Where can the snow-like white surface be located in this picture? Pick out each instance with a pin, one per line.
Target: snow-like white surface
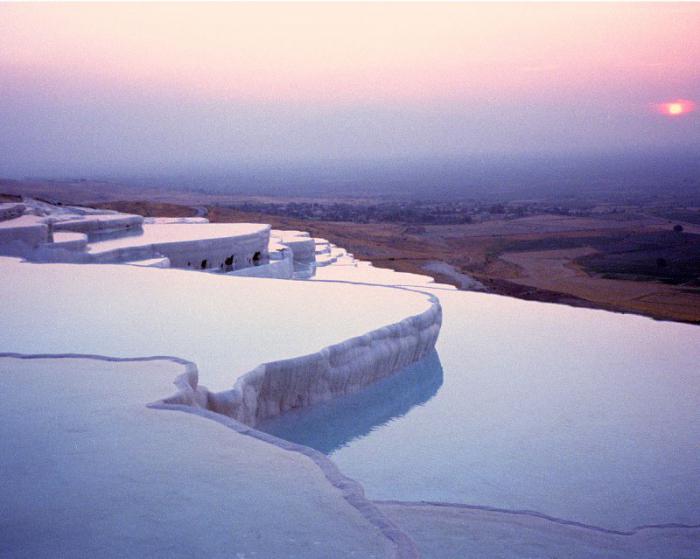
(327, 253)
(26, 231)
(346, 365)
(167, 233)
(42, 232)
(89, 471)
(280, 265)
(94, 223)
(159, 262)
(68, 240)
(49, 233)
(196, 246)
(300, 242)
(104, 467)
(227, 325)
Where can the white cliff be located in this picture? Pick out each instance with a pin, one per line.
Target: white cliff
(339, 369)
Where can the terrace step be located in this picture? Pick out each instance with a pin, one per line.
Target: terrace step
(68, 240)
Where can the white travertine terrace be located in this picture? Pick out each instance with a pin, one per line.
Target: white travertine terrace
(350, 359)
(339, 369)
(96, 223)
(280, 264)
(41, 232)
(89, 470)
(300, 242)
(367, 344)
(348, 335)
(44, 233)
(89, 285)
(188, 246)
(68, 240)
(25, 232)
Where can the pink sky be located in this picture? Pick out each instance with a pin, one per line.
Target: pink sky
(617, 59)
(355, 52)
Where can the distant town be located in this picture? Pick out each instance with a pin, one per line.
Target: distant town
(419, 212)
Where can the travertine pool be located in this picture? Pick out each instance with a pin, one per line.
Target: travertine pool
(583, 415)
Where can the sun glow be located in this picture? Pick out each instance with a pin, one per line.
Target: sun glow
(676, 108)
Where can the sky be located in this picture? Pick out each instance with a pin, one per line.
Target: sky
(113, 88)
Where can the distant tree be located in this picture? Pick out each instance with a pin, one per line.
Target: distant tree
(678, 228)
(661, 263)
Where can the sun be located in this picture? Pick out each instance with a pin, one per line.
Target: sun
(676, 108)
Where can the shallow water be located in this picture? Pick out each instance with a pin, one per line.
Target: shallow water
(583, 415)
(331, 426)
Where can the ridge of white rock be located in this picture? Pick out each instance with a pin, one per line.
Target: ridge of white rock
(300, 242)
(348, 335)
(343, 368)
(280, 264)
(199, 246)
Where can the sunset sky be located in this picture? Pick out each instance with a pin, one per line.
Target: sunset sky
(132, 87)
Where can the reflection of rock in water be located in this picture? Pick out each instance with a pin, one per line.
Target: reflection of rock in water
(331, 425)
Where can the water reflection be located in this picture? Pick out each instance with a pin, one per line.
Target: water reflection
(332, 425)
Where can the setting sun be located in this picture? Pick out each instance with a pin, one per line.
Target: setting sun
(676, 108)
